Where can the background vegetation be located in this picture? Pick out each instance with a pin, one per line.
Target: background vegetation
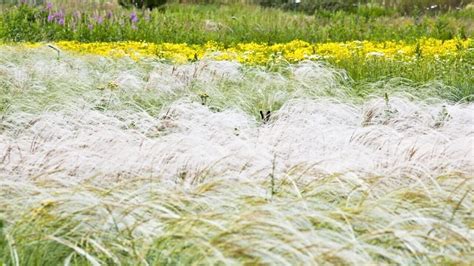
(224, 23)
(403, 7)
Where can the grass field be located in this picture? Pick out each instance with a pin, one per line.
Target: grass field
(228, 24)
(237, 151)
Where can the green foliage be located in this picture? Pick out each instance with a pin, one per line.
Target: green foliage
(226, 24)
(3, 242)
(142, 3)
(403, 7)
(23, 22)
(457, 74)
(425, 6)
(311, 6)
(375, 11)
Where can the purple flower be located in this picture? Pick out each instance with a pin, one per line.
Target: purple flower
(50, 17)
(57, 17)
(49, 6)
(109, 14)
(90, 26)
(133, 17)
(99, 19)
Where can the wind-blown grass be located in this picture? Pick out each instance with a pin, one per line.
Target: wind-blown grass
(111, 161)
(33, 80)
(331, 219)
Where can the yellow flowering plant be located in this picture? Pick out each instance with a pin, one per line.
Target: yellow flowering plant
(261, 53)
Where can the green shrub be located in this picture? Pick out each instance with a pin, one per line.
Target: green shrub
(407, 7)
(403, 7)
(142, 3)
(310, 6)
(375, 11)
(22, 22)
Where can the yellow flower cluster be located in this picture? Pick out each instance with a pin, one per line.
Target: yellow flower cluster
(260, 53)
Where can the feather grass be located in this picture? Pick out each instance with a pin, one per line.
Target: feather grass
(116, 162)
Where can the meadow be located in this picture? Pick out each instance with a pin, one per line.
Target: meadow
(231, 134)
(226, 24)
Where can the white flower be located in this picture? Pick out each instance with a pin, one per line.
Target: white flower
(376, 54)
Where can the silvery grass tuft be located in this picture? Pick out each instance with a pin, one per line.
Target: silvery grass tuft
(119, 162)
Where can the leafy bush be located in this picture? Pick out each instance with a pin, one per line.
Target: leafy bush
(310, 6)
(408, 7)
(404, 7)
(142, 3)
(22, 22)
(375, 11)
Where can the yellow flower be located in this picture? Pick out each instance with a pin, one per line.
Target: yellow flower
(260, 53)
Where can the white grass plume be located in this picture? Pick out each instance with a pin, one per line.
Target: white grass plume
(105, 161)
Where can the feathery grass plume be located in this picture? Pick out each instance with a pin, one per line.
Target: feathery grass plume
(141, 172)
